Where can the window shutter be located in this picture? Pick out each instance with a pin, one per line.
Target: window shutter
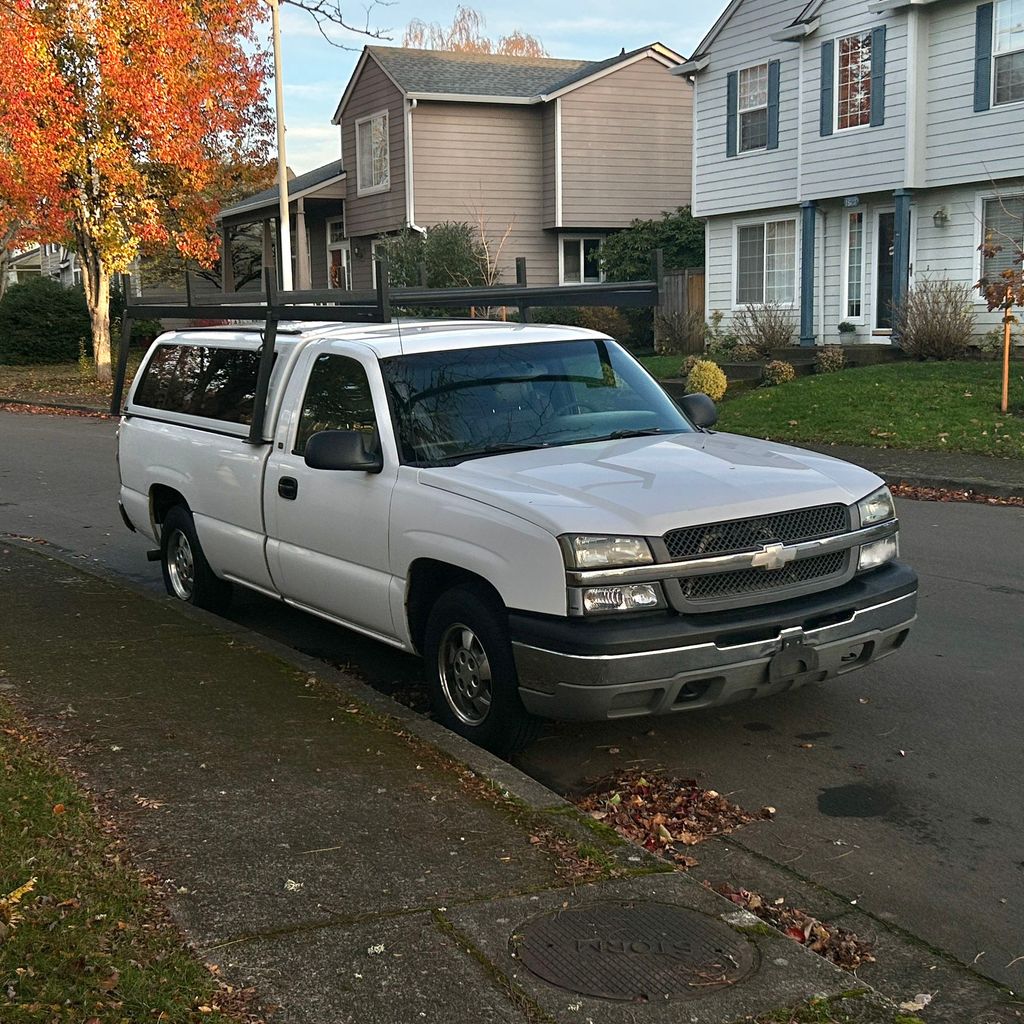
(828, 74)
(878, 76)
(773, 104)
(983, 58)
(732, 101)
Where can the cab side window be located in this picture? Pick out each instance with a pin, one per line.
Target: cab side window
(337, 398)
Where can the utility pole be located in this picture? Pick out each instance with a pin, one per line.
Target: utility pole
(284, 255)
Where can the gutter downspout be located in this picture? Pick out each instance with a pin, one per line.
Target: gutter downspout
(410, 192)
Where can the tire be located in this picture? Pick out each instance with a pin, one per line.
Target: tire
(187, 574)
(474, 690)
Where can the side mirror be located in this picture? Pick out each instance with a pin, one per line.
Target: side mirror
(700, 410)
(342, 450)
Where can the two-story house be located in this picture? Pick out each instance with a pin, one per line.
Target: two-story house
(550, 154)
(844, 150)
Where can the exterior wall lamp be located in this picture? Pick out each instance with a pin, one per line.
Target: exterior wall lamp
(941, 217)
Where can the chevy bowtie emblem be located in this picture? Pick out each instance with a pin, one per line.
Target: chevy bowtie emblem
(773, 556)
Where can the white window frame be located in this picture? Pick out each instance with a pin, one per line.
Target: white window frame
(385, 185)
(562, 239)
(751, 222)
(741, 110)
(996, 54)
(979, 233)
(343, 246)
(845, 286)
(835, 85)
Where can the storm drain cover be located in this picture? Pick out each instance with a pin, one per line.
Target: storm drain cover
(633, 952)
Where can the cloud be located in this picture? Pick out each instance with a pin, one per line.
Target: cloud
(311, 145)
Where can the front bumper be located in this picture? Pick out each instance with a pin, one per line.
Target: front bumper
(587, 670)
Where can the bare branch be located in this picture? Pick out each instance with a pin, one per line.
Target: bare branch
(328, 15)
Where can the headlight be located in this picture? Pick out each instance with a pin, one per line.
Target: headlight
(633, 597)
(586, 552)
(878, 553)
(876, 508)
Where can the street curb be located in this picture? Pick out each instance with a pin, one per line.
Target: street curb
(506, 777)
(93, 410)
(983, 488)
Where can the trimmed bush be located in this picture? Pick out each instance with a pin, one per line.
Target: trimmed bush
(765, 328)
(743, 353)
(935, 320)
(566, 316)
(707, 378)
(606, 319)
(829, 359)
(687, 366)
(777, 372)
(41, 322)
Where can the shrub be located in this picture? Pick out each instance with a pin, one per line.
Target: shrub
(847, 328)
(706, 377)
(606, 319)
(719, 340)
(777, 372)
(829, 359)
(935, 320)
(686, 368)
(678, 333)
(765, 328)
(743, 353)
(41, 322)
(626, 255)
(567, 316)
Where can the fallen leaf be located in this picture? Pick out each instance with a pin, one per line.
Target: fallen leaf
(58, 808)
(919, 1002)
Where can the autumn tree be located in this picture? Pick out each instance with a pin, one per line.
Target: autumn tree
(231, 181)
(466, 34)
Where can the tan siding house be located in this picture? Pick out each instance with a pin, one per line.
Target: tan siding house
(545, 157)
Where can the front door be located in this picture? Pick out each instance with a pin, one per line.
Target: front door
(328, 530)
(885, 248)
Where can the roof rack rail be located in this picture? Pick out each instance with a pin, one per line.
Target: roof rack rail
(332, 305)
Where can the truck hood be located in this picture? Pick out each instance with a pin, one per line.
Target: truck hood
(648, 486)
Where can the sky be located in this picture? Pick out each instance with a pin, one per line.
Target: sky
(316, 72)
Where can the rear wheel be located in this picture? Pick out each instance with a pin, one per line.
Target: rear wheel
(187, 574)
(474, 690)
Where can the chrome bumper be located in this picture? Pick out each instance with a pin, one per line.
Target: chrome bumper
(578, 687)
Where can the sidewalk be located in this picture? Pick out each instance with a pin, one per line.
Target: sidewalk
(321, 844)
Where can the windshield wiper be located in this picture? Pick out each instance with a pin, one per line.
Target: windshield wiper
(502, 448)
(621, 435)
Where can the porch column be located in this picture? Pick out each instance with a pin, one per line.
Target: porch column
(302, 274)
(900, 253)
(227, 266)
(808, 229)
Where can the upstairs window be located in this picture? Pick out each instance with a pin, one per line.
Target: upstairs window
(1008, 52)
(853, 81)
(753, 108)
(373, 158)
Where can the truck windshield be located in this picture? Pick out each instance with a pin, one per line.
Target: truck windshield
(471, 403)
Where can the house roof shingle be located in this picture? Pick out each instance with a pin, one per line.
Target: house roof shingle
(300, 183)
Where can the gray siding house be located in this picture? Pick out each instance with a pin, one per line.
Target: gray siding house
(554, 154)
(844, 150)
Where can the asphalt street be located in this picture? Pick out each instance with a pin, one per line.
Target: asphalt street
(898, 788)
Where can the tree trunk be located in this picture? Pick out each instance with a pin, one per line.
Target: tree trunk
(96, 278)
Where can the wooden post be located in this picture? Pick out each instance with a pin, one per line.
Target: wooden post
(1007, 322)
(524, 309)
(259, 405)
(421, 270)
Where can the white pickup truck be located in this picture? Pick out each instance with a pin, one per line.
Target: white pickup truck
(523, 506)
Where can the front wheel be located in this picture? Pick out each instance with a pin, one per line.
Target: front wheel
(473, 686)
(187, 574)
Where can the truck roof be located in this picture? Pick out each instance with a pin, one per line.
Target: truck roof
(400, 336)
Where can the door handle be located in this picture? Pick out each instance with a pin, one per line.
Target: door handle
(288, 487)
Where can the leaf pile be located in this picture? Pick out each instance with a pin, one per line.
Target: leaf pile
(666, 815)
(836, 944)
(944, 494)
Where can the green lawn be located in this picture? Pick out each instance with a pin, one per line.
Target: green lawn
(87, 941)
(927, 406)
(662, 367)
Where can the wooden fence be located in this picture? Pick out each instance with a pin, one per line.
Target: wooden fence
(683, 295)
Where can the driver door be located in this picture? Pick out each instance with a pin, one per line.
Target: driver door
(328, 530)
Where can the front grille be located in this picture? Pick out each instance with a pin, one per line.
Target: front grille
(744, 534)
(759, 581)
